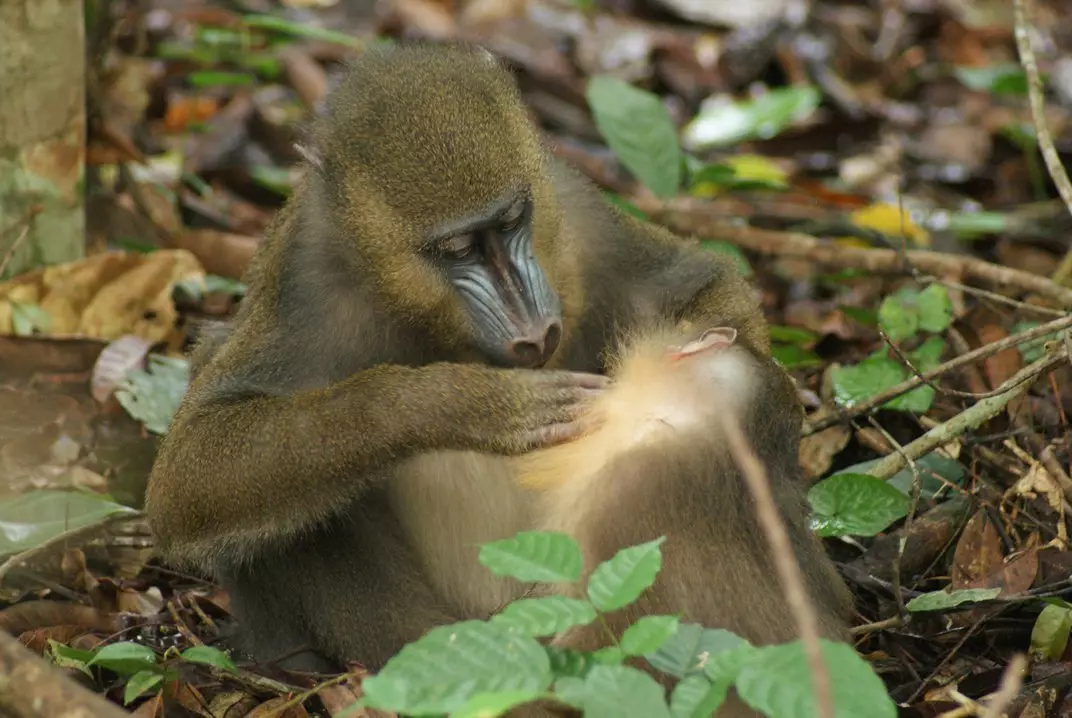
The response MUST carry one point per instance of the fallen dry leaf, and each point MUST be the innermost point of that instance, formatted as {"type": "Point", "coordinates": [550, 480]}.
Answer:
{"type": "Point", "coordinates": [105, 296]}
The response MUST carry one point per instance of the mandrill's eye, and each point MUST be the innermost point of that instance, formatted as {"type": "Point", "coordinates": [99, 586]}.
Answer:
{"type": "Point", "coordinates": [513, 217]}
{"type": "Point", "coordinates": [457, 247]}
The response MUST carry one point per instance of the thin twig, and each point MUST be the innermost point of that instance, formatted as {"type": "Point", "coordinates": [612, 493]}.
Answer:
{"type": "Point", "coordinates": [970, 418]}
{"type": "Point", "coordinates": [1038, 118]}
{"type": "Point", "coordinates": [956, 363]}
{"type": "Point", "coordinates": [913, 507]}
{"type": "Point", "coordinates": [691, 217]}
{"type": "Point", "coordinates": [13, 248]}
{"type": "Point", "coordinates": [785, 563]}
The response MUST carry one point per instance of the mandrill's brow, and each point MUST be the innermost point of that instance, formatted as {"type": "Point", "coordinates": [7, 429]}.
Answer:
{"type": "Point", "coordinates": [486, 218]}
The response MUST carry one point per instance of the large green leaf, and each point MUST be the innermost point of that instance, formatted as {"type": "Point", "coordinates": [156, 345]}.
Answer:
{"type": "Point", "coordinates": [855, 504]}
{"type": "Point", "coordinates": [620, 581]}
{"type": "Point", "coordinates": [1049, 635]}
{"type": "Point", "coordinates": [623, 692]}
{"type": "Point", "coordinates": [778, 681]}
{"type": "Point", "coordinates": [639, 129]}
{"type": "Point", "coordinates": [451, 665]}
{"type": "Point", "coordinates": [944, 600]}
{"type": "Point", "coordinates": [543, 556]}
{"type": "Point", "coordinates": [28, 520]}
{"type": "Point", "coordinates": [547, 615]}
{"type": "Point", "coordinates": [697, 697]}
{"type": "Point", "coordinates": [721, 123]}
{"type": "Point", "coordinates": [859, 382]}
{"type": "Point", "coordinates": [648, 634]}
{"type": "Point", "coordinates": [691, 647]}
{"type": "Point", "coordinates": [126, 658]}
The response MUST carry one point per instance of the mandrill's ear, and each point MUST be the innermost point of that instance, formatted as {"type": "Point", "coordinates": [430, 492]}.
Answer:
{"type": "Point", "coordinates": [311, 155]}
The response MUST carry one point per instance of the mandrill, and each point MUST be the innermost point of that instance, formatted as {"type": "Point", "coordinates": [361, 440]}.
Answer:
{"type": "Point", "coordinates": [440, 298]}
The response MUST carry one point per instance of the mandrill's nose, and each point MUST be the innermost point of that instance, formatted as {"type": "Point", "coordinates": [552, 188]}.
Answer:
{"type": "Point", "coordinates": [533, 350]}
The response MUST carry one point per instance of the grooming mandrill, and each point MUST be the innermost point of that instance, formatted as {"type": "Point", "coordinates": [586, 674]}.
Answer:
{"type": "Point", "coordinates": [438, 297]}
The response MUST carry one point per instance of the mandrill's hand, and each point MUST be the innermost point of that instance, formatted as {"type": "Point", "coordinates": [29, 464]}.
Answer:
{"type": "Point", "coordinates": [514, 411]}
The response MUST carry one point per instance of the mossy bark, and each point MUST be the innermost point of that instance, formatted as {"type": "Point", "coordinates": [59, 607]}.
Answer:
{"type": "Point", "coordinates": [42, 133]}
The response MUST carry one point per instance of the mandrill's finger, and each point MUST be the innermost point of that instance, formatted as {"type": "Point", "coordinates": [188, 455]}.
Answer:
{"type": "Point", "coordinates": [582, 380]}
{"type": "Point", "coordinates": [554, 434]}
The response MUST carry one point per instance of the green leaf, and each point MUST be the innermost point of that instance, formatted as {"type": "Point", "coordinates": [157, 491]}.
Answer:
{"type": "Point", "coordinates": [999, 79]}
{"type": "Point", "coordinates": [28, 520]}
{"type": "Point", "coordinates": [855, 504]}
{"type": "Point", "coordinates": [67, 657]}
{"type": "Point", "coordinates": [861, 315]}
{"type": "Point", "coordinates": [618, 582]}
{"type": "Point", "coordinates": [898, 315]}
{"type": "Point", "coordinates": [732, 251]}
{"type": "Point", "coordinates": [570, 690]}
{"type": "Point", "coordinates": [28, 319]}
{"type": "Point", "coordinates": [944, 600]}
{"type": "Point", "coordinates": [209, 656]}
{"type": "Point", "coordinates": [1049, 635]}
{"type": "Point", "coordinates": [566, 662]}
{"type": "Point", "coordinates": [924, 358]}
{"type": "Point", "coordinates": [1034, 350]}
{"type": "Point", "coordinates": [542, 556]}
{"type": "Point", "coordinates": [140, 684]}
{"type": "Point", "coordinates": [623, 692]}
{"type": "Point", "coordinates": [216, 78]}
{"type": "Point", "coordinates": [935, 309]}
{"type": "Point", "coordinates": [126, 658]}
{"type": "Point", "coordinates": [609, 656]}
{"type": "Point", "coordinates": [691, 648]}
{"type": "Point", "coordinates": [491, 705]}
{"type": "Point", "coordinates": [777, 681]}
{"type": "Point", "coordinates": [450, 665]}
{"type": "Point", "coordinates": [625, 205]}
{"type": "Point", "coordinates": [931, 467]}
{"type": "Point", "coordinates": [639, 129]}
{"type": "Point", "coordinates": [294, 29]}
{"type": "Point", "coordinates": [792, 335]}
{"type": "Point", "coordinates": [793, 357]}
{"type": "Point", "coordinates": [153, 397]}
{"type": "Point", "coordinates": [721, 123]}
{"type": "Point", "coordinates": [697, 697]}
{"type": "Point", "coordinates": [876, 373]}
{"type": "Point", "coordinates": [648, 634]}
{"type": "Point", "coordinates": [547, 615]}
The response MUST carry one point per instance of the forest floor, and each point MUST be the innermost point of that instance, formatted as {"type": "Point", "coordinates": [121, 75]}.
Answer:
{"type": "Point", "coordinates": [876, 169]}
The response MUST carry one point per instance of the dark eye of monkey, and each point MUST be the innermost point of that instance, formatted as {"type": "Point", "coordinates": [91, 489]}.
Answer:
{"type": "Point", "coordinates": [463, 246]}
{"type": "Point", "coordinates": [513, 217]}
{"type": "Point", "coordinates": [457, 247]}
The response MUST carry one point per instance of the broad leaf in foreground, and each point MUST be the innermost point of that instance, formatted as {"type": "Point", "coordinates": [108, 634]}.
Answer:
{"type": "Point", "coordinates": [451, 665]}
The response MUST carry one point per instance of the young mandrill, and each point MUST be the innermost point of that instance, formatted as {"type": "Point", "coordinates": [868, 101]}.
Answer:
{"type": "Point", "coordinates": [658, 463]}
{"type": "Point", "coordinates": [438, 297]}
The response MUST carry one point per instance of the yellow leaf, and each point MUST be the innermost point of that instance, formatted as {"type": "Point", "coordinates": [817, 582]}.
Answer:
{"type": "Point", "coordinates": [891, 221]}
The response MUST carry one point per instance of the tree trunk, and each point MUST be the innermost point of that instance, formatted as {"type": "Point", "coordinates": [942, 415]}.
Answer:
{"type": "Point", "coordinates": [42, 133]}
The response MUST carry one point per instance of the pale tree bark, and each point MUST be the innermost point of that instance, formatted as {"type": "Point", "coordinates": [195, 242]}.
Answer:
{"type": "Point", "coordinates": [42, 133]}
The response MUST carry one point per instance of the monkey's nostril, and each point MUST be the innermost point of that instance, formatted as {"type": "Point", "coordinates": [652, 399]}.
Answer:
{"type": "Point", "coordinates": [527, 353]}
{"type": "Point", "coordinates": [534, 351]}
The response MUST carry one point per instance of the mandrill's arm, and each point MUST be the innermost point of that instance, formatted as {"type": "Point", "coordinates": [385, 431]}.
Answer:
{"type": "Point", "coordinates": [243, 469]}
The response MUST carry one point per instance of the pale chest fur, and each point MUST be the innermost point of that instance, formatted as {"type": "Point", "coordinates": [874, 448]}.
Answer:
{"type": "Point", "coordinates": [449, 503]}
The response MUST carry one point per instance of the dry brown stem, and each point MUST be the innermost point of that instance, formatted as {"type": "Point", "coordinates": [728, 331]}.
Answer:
{"type": "Point", "coordinates": [785, 564]}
